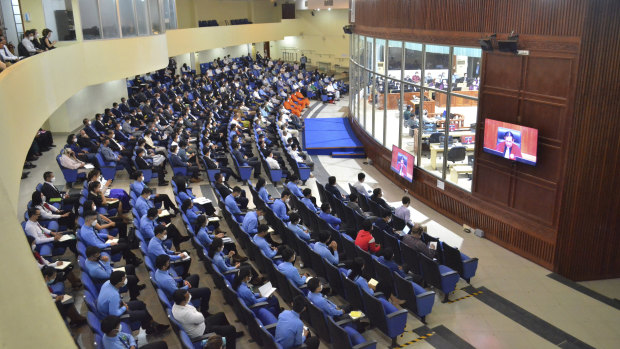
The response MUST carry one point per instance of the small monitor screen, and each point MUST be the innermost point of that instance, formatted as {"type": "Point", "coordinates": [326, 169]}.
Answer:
{"type": "Point", "coordinates": [510, 141]}
{"type": "Point", "coordinates": [402, 163]}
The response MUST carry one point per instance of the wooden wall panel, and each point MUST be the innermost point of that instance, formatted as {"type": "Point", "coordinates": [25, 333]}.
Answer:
{"type": "Point", "coordinates": [545, 116]}
{"type": "Point", "coordinates": [549, 76]}
{"type": "Point", "coordinates": [503, 71]}
{"type": "Point", "coordinates": [540, 206]}
{"type": "Point", "coordinates": [589, 230]}
{"type": "Point", "coordinates": [496, 187]}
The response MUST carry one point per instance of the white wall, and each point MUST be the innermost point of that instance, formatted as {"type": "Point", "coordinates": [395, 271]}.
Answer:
{"type": "Point", "coordinates": [49, 6]}
{"type": "Point", "coordinates": [233, 51]}
{"type": "Point", "coordinates": [184, 58]}
{"type": "Point", "coordinates": [85, 104]}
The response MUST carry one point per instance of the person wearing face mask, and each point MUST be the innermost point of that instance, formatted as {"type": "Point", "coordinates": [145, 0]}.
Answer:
{"type": "Point", "coordinates": [46, 240]}
{"type": "Point", "coordinates": [50, 192]}
{"type": "Point", "coordinates": [224, 190]}
{"type": "Point", "coordinates": [96, 195]}
{"type": "Point", "coordinates": [138, 186]}
{"type": "Point", "coordinates": [109, 302]}
{"type": "Point", "coordinates": [66, 273]}
{"type": "Point", "coordinates": [233, 206]}
{"type": "Point", "coordinates": [326, 215]}
{"type": "Point", "coordinates": [291, 184]}
{"type": "Point", "coordinates": [269, 249]}
{"type": "Point", "coordinates": [290, 330]}
{"type": "Point", "coordinates": [143, 164]}
{"type": "Point", "coordinates": [196, 324]}
{"type": "Point", "coordinates": [156, 247]}
{"type": "Point", "coordinates": [287, 267]}
{"type": "Point", "coordinates": [222, 262]}
{"type": "Point", "coordinates": [115, 338]}
{"type": "Point", "coordinates": [377, 196]}
{"type": "Point", "coordinates": [46, 41]}
{"type": "Point", "coordinates": [91, 237]}
{"type": "Point", "coordinates": [168, 281]}
{"type": "Point", "coordinates": [185, 193]}
{"type": "Point", "coordinates": [99, 269]}
{"type": "Point", "coordinates": [90, 130]}
{"type": "Point", "coordinates": [280, 208]}
{"type": "Point", "coordinates": [309, 200]}
{"type": "Point", "coordinates": [51, 214]}
{"type": "Point", "coordinates": [176, 161]}
{"type": "Point", "coordinates": [67, 309]}
{"type": "Point", "coordinates": [28, 44]}
{"type": "Point", "coordinates": [301, 231]}
{"type": "Point", "coordinates": [365, 240]}
{"type": "Point", "coordinates": [241, 284]}
{"type": "Point", "coordinates": [384, 222]}
{"type": "Point", "coordinates": [326, 249]}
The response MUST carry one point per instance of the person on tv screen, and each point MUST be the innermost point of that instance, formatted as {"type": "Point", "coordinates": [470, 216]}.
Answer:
{"type": "Point", "coordinates": [508, 147]}
{"type": "Point", "coordinates": [401, 166]}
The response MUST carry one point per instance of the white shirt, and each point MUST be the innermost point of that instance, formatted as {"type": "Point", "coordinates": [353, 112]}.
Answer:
{"type": "Point", "coordinates": [296, 156]}
{"type": "Point", "coordinates": [29, 45]}
{"type": "Point", "coordinates": [38, 232]}
{"type": "Point", "coordinates": [273, 164]}
{"type": "Point", "coordinates": [47, 211]}
{"type": "Point", "coordinates": [360, 188]}
{"type": "Point", "coordinates": [7, 55]}
{"type": "Point", "coordinates": [192, 321]}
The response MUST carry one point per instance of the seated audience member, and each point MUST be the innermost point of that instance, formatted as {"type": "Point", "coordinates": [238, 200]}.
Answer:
{"type": "Point", "coordinates": [249, 298]}
{"type": "Point", "coordinates": [326, 215]}
{"type": "Point", "coordinates": [143, 164]}
{"type": "Point", "coordinates": [260, 239]}
{"type": "Point", "coordinates": [114, 338]}
{"type": "Point", "coordinates": [212, 164]}
{"type": "Point", "coordinates": [222, 261]}
{"type": "Point", "coordinates": [297, 228]}
{"type": "Point", "coordinates": [114, 193]}
{"type": "Point", "coordinates": [326, 249]}
{"type": "Point", "coordinates": [384, 222]}
{"type": "Point", "coordinates": [52, 193]}
{"type": "Point", "coordinates": [50, 212]}
{"type": "Point", "coordinates": [377, 197]}
{"type": "Point", "coordinates": [157, 247]}
{"type": "Point", "coordinates": [385, 257]}
{"type": "Point", "coordinates": [65, 274]}
{"type": "Point", "coordinates": [67, 309]}
{"type": "Point", "coordinates": [7, 56]}
{"type": "Point", "coordinates": [109, 225]}
{"type": "Point", "coordinates": [197, 324]}
{"type": "Point", "coordinates": [309, 200]}
{"type": "Point", "coordinates": [365, 240]}
{"type": "Point", "coordinates": [292, 185]}
{"type": "Point", "coordinates": [403, 211]}
{"type": "Point", "coordinates": [290, 331]}
{"type": "Point", "coordinates": [138, 186]}
{"type": "Point", "coordinates": [46, 40]}
{"type": "Point", "coordinates": [177, 161]}
{"type": "Point", "coordinates": [414, 241]}
{"type": "Point", "coordinates": [243, 159]}
{"type": "Point", "coordinates": [97, 196]}
{"type": "Point", "coordinates": [353, 204]}
{"type": "Point", "coordinates": [359, 185]}
{"type": "Point", "coordinates": [45, 239]}
{"type": "Point", "coordinates": [275, 165]}
{"type": "Point", "coordinates": [28, 44]}
{"type": "Point", "coordinates": [226, 190]}
{"type": "Point", "coordinates": [99, 269]}
{"type": "Point", "coordinates": [288, 268]}
{"type": "Point", "coordinates": [357, 269]}
{"type": "Point", "coordinates": [215, 342]}
{"type": "Point", "coordinates": [109, 302]}
{"type": "Point", "coordinates": [280, 208]}
{"type": "Point", "coordinates": [185, 193]}
{"type": "Point", "coordinates": [91, 237]}
{"type": "Point", "coordinates": [168, 281]}
{"type": "Point", "coordinates": [262, 191]}
{"type": "Point", "coordinates": [330, 187]}
{"type": "Point", "coordinates": [233, 206]}
{"type": "Point", "coordinates": [251, 220]}
{"type": "Point", "coordinates": [68, 160]}
{"type": "Point", "coordinates": [301, 157]}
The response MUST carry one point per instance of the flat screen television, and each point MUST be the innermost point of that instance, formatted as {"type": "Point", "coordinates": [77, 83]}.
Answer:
{"type": "Point", "coordinates": [402, 163]}
{"type": "Point", "coordinates": [510, 141]}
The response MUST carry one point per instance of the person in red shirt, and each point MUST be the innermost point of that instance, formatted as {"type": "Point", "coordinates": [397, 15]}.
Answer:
{"type": "Point", "coordinates": [365, 240]}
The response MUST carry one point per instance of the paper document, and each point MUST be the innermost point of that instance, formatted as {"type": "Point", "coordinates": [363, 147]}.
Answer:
{"type": "Point", "coordinates": [107, 193]}
{"type": "Point", "coordinates": [201, 201]}
{"type": "Point", "coordinates": [309, 278]}
{"type": "Point", "coordinates": [356, 315]}
{"type": "Point", "coordinates": [164, 213]}
{"type": "Point", "coordinates": [110, 241]}
{"type": "Point", "coordinates": [89, 166]}
{"type": "Point", "coordinates": [373, 283]}
{"type": "Point", "coordinates": [432, 245]}
{"type": "Point", "coordinates": [227, 240]}
{"type": "Point", "coordinates": [185, 256]}
{"type": "Point", "coordinates": [119, 269]}
{"type": "Point", "coordinates": [213, 219]}
{"type": "Point", "coordinates": [266, 290]}
{"type": "Point", "coordinates": [270, 230]}
{"type": "Point", "coordinates": [63, 266]}
{"type": "Point", "coordinates": [66, 299]}
{"type": "Point", "coordinates": [66, 237]}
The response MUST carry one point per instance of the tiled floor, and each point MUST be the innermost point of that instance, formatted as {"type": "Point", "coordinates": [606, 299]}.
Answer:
{"type": "Point", "coordinates": [482, 324]}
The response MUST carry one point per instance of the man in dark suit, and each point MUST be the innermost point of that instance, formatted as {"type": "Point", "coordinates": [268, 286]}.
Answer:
{"type": "Point", "coordinates": [144, 164]}
{"type": "Point", "coordinates": [118, 147]}
{"type": "Point", "coordinates": [226, 190]}
{"type": "Point", "coordinates": [176, 161]}
{"type": "Point", "coordinates": [90, 130]}
{"type": "Point", "coordinates": [98, 124]}
{"type": "Point", "coordinates": [124, 107]}
{"type": "Point", "coordinates": [377, 197]}
{"type": "Point", "coordinates": [243, 160]}
{"type": "Point", "coordinates": [212, 165]}
{"type": "Point", "coordinates": [50, 192]}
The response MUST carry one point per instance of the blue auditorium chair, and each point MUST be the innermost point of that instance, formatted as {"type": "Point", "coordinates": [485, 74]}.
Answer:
{"type": "Point", "coordinates": [438, 275]}
{"type": "Point", "coordinates": [457, 260]}
{"type": "Point", "coordinates": [418, 300]}
{"type": "Point", "coordinates": [340, 337]}
{"type": "Point", "coordinates": [390, 320]}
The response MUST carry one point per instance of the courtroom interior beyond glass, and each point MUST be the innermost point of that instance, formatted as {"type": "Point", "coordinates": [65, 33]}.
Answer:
{"type": "Point", "coordinates": [389, 77]}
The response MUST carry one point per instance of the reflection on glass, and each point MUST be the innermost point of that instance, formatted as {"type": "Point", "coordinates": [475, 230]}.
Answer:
{"type": "Point", "coordinates": [379, 67]}
{"type": "Point", "coordinates": [393, 114]}
{"type": "Point", "coordinates": [379, 107]}
{"type": "Point", "coordinates": [128, 19]}
{"type": "Point", "coordinates": [109, 19]}
{"type": "Point", "coordinates": [155, 17]}
{"type": "Point", "coordinates": [89, 15]}
{"type": "Point", "coordinates": [369, 53]}
{"type": "Point", "coordinates": [437, 66]}
{"type": "Point", "coordinates": [413, 63]}
{"type": "Point", "coordinates": [394, 55]}
{"type": "Point", "coordinates": [143, 17]}
{"type": "Point", "coordinates": [466, 73]}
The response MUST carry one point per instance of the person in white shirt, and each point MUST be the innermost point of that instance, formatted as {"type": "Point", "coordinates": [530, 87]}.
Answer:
{"type": "Point", "coordinates": [6, 54]}
{"type": "Point", "coordinates": [196, 324]}
{"type": "Point", "coordinates": [27, 42]}
{"type": "Point", "coordinates": [359, 185]}
{"type": "Point", "coordinates": [403, 211]}
{"type": "Point", "coordinates": [43, 235]}
{"type": "Point", "coordinates": [68, 160]}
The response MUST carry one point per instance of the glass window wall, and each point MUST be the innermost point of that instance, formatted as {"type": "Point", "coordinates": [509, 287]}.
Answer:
{"type": "Point", "coordinates": [109, 19]}
{"type": "Point", "coordinates": [128, 18]}
{"type": "Point", "coordinates": [89, 14]}
{"type": "Point", "coordinates": [155, 16]}
{"type": "Point", "coordinates": [430, 95]}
